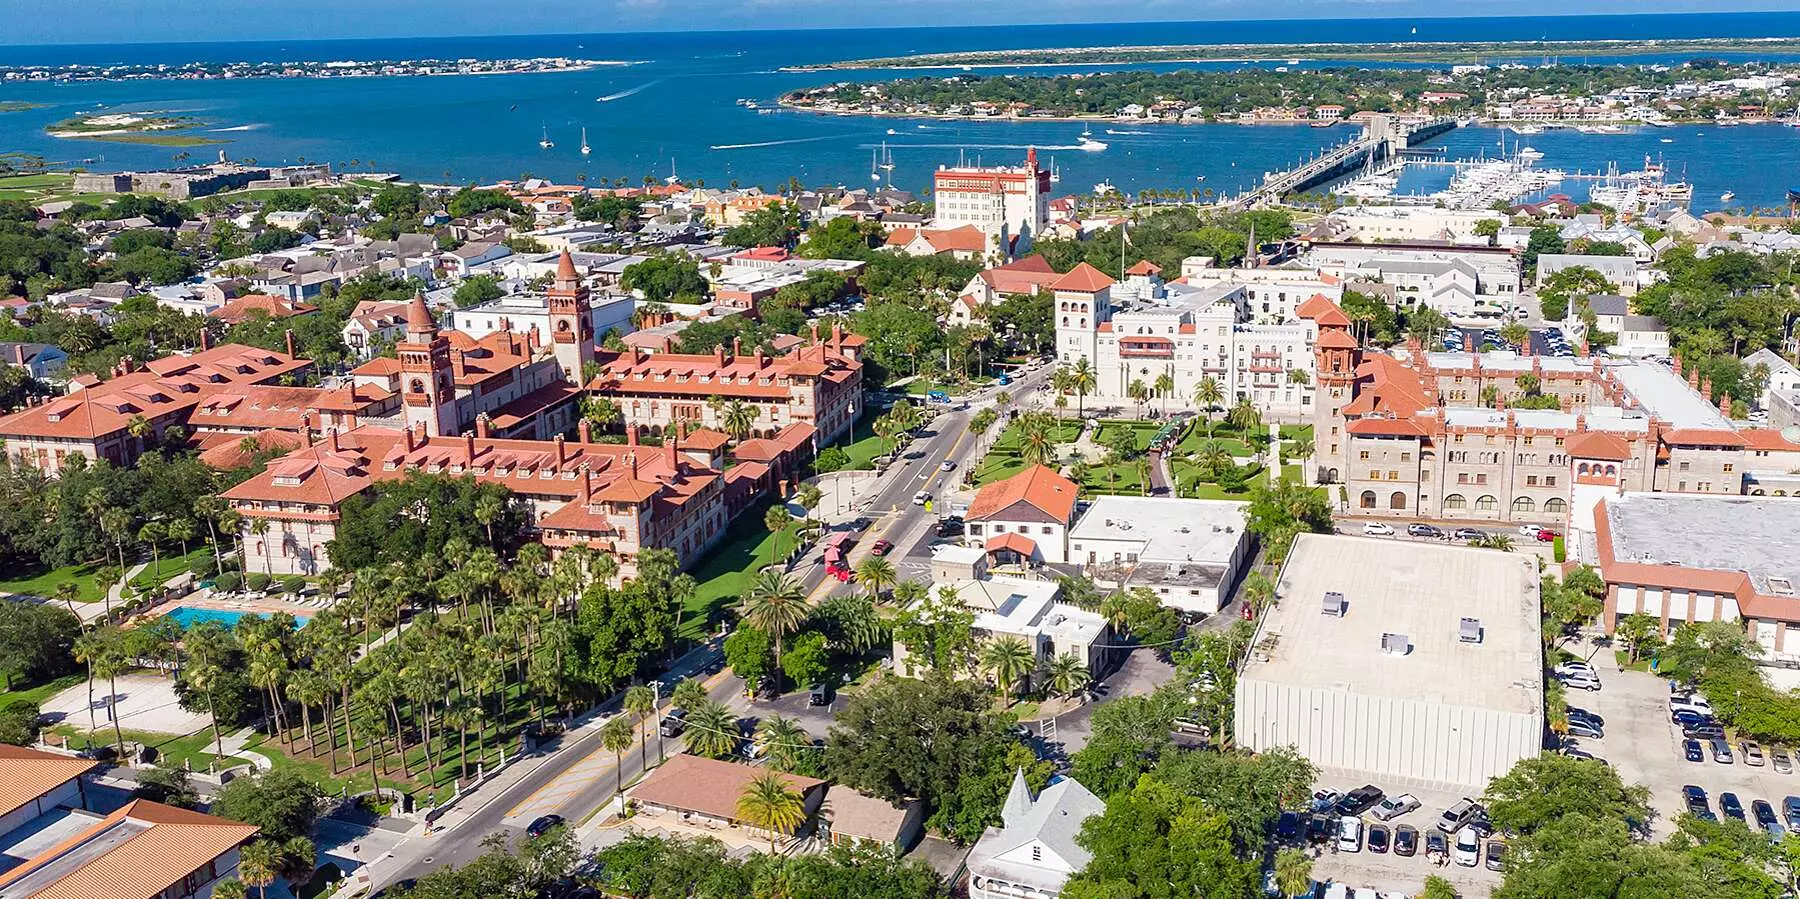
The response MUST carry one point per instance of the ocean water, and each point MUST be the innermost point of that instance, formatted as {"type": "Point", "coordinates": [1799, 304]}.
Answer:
{"type": "Point", "coordinates": [674, 109]}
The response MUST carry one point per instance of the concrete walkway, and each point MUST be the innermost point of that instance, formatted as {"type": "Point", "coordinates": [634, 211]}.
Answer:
{"type": "Point", "coordinates": [234, 744]}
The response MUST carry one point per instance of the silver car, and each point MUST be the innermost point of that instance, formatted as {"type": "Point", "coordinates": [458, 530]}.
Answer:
{"type": "Point", "coordinates": [1395, 806]}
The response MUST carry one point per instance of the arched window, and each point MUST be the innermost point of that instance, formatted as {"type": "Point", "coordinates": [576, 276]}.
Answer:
{"type": "Point", "coordinates": [1455, 501]}
{"type": "Point", "coordinates": [1368, 499]}
{"type": "Point", "coordinates": [1582, 468]}
{"type": "Point", "coordinates": [1612, 469]}
{"type": "Point", "coordinates": [1397, 500]}
{"type": "Point", "coordinates": [417, 386]}
{"type": "Point", "coordinates": [1555, 505]}
{"type": "Point", "coordinates": [1486, 504]}
{"type": "Point", "coordinates": [1524, 504]}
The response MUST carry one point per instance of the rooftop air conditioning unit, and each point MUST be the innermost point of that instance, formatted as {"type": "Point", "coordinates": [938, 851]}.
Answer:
{"type": "Point", "coordinates": [1469, 630]}
{"type": "Point", "coordinates": [1335, 606]}
{"type": "Point", "coordinates": [1395, 644]}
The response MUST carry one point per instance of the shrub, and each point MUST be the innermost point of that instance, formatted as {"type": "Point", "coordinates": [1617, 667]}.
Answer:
{"type": "Point", "coordinates": [1558, 550]}
{"type": "Point", "coordinates": [259, 581]}
{"type": "Point", "coordinates": [228, 582]}
{"type": "Point", "coordinates": [204, 567]}
{"type": "Point", "coordinates": [19, 724]}
{"type": "Point", "coordinates": [293, 583]}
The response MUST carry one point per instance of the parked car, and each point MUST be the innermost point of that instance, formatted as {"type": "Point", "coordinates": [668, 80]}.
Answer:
{"type": "Point", "coordinates": [1454, 817]}
{"type": "Point", "coordinates": [1790, 810]}
{"type": "Point", "coordinates": [1710, 730]}
{"type": "Point", "coordinates": [1323, 800]}
{"type": "Point", "coordinates": [1764, 814]}
{"type": "Point", "coordinates": [1529, 530]}
{"type": "Point", "coordinates": [1690, 750]}
{"type": "Point", "coordinates": [673, 724]}
{"type": "Point", "coordinates": [1694, 799]}
{"type": "Point", "coordinates": [1395, 806]}
{"type": "Point", "coordinates": [1721, 751]}
{"type": "Point", "coordinates": [1579, 681]}
{"type": "Point", "coordinates": [1547, 536]}
{"type": "Point", "coordinates": [1580, 727]}
{"type": "Point", "coordinates": [1349, 837]}
{"type": "Point", "coordinates": [1377, 529]}
{"type": "Point", "coordinates": [1496, 853]}
{"type": "Point", "coordinates": [818, 695]}
{"type": "Point", "coordinates": [950, 527]}
{"type": "Point", "coordinates": [1289, 827]}
{"type": "Point", "coordinates": [1468, 534]}
{"type": "Point", "coordinates": [881, 547]}
{"type": "Point", "coordinates": [1379, 836]}
{"type": "Point", "coordinates": [1421, 529]}
{"type": "Point", "coordinates": [1359, 800]}
{"type": "Point", "coordinates": [1753, 754]}
{"type": "Point", "coordinates": [1467, 849]}
{"type": "Point", "coordinates": [1587, 716]}
{"type": "Point", "coordinates": [1688, 717]}
{"type": "Point", "coordinates": [1778, 757]}
{"type": "Point", "coordinates": [1406, 840]}
{"type": "Point", "coordinates": [543, 825]}
{"type": "Point", "coordinates": [1731, 806]}
{"type": "Point", "coordinates": [1321, 828]}
{"type": "Point", "coordinates": [1576, 752]}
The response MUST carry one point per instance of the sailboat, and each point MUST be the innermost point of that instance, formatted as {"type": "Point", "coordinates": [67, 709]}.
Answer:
{"type": "Point", "coordinates": [545, 141]}
{"type": "Point", "coordinates": [585, 149]}
{"type": "Point", "coordinates": [1055, 175]}
{"type": "Point", "coordinates": [874, 163]}
{"type": "Point", "coordinates": [887, 161]}
{"type": "Point", "coordinates": [673, 178]}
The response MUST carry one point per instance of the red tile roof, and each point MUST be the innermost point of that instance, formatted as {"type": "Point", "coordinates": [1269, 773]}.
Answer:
{"type": "Point", "coordinates": [1322, 310]}
{"type": "Point", "coordinates": [26, 774]}
{"type": "Point", "coordinates": [1042, 488]}
{"type": "Point", "coordinates": [137, 852]}
{"type": "Point", "coordinates": [1083, 278]}
{"type": "Point", "coordinates": [1599, 445]}
{"type": "Point", "coordinates": [1144, 267]}
{"type": "Point", "coordinates": [691, 783]}
{"type": "Point", "coordinates": [239, 309]}
{"type": "Point", "coordinates": [1019, 543]}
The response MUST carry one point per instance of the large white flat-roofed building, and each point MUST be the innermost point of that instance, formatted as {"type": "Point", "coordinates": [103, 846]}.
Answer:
{"type": "Point", "coordinates": [1186, 551]}
{"type": "Point", "coordinates": [1402, 664]}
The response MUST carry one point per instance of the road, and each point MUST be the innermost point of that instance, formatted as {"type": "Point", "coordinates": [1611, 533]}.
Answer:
{"type": "Point", "coordinates": [580, 776]}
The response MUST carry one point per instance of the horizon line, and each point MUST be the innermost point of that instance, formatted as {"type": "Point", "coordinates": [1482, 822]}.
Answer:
{"type": "Point", "coordinates": [1017, 25]}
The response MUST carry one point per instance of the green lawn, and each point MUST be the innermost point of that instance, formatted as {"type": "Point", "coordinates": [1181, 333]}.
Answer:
{"type": "Point", "coordinates": [1124, 479]}
{"type": "Point", "coordinates": [36, 694]}
{"type": "Point", "coordinates": [998, 466]}
{"type": "Point", "coordinates": [44, 583]}
{"type": "Point", "coordinates": [171, 564]}
{"type": "Point", "coordinates": [864, 446]}
{"type": "Point", "coordinates": [1141, 432]}
{"type": "Point", "coordinates": [1188, 475]}
{"type": "Point", "coordinates": [195, 748]}
{"type": "Point", "coordinates": [729, 568]}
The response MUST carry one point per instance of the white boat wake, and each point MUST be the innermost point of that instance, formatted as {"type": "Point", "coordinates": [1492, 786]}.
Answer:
{"type": "Point", "coordinates": [251, 127]}
{"type": "Point", "coordinates": [768, 143]}
{"type": "Point", "coordinates": [983, 146]}
{"type": "Point", "coordinates": [1111, 131]}
{"type": "Point", "coordinates": [627, 92]}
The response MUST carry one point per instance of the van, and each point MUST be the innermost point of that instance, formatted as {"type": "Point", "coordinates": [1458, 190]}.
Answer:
{"type": "Point", "coordinates": [819, 695]}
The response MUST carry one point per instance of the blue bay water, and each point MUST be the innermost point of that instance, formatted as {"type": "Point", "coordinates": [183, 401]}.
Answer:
{"type": "Point", "coordinates": [675, 107]}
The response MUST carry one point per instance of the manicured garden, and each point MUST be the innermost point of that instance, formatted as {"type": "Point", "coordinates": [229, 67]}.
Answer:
{"type": "Point", "coordinates": [747, 547]}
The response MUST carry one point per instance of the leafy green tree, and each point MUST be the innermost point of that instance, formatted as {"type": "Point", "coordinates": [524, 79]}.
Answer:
{"type": "Point", "coordinates": [666, 278]}
{"type": "Point", "coordinates": [774, 225]}
{"type": "Point", "coordinates": [1155, 842]}
{"type": "Point", "coordinates": [281, 803]}
{"type": "Point", "coordinates": [1545, 789]}
{"type": "Point", "coordinates": [807, 661]}
{"type": "Point", "coordinates": [750, 654]}
{"type": "Point", "coordinates": [477, 289]}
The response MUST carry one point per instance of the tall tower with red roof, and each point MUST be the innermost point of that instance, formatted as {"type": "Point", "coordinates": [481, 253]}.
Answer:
{"type": "Point", "coordinates": [571, 327]}
{"type": "Point", "coordinates": [1336, 358]}
{"type": "Point", "coordinates": [426, 385]}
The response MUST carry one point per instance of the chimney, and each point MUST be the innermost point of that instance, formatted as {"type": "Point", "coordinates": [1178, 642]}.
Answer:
{"type": "Point", "coordinates": [736, 348]}
{"type": "Point", "coordinates": [469, 445]}
{"type": "Point", "coordinates": [631, 465]}
{"type": "Point", "coordinates": [762, 358]}
{"type": "Point", "coordinates": [837, 337]}
{"type": "Point", "coordinates": [483, 429]}
{"type": "Point", "coordinates": [331, 437]}
{"type": "Point", "coordinates": [289, 335]}
{"type": "Point", "coordinates": [815, 333]}
{"type": "Point", "coordinates": [631, 434]}
{"type": "Point", "coordinates": [205, 339]}
{"type": "Point", "coordinates": [456, 362]}
{"type": "Point", "coordinates": [719, 355]}
{"type": "Point", "coordinates": [408, 435]}
{"type": "Point", "coordinates": [669, 453]}
{"type": "Point", "coordinates": [586, 430]}
{"type": "Point", "coordinates": [559, 454]}
{"type": "Point", "coordinates": [587, 483]}
{"type": "Point", "coordinates": [505, 323]}
{"type": "Point", "coordinates": [19, 352]}
{"type": "Point", "coordinates": [306, 427]}
{"type": "Point", "coordinates": [1725, 404]}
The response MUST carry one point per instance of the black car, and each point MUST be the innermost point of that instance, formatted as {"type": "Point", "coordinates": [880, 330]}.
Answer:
{"type": "Point", "coordinates": [860, 524]}
{"type": "Point", "coordinates": [950, 527]}
{"type": "Point", "coordinates": [1586, 715]}
{"type": "Point", "coordinates": [819, 695]}
{"type": "Point", "coordinates": [1288, 827]}
{"type": "Point", "coordinates": [1729, 804]}
{"type": "Point", "coordinates": [1420, 529]}
{"type": "Point", "coordinates": [1436, 843]}
{"type": "Point", "coordinates": [1406, 840]}
{"type": "Point", "coordinates": [1378, 838]}
{"type": "Point", "coordinates": [543, 825]}
{"type": "Point", "coordinates": [1468, 534]}
{"type": "Point", "coordinates": [673, 724]}
{"type": "Point", "coordinates": [1690, 750]}
{"type": "Point", "coordinates": [1695, 799]}
{"type": "Point", "coordinates": [1704, 732]}
{"type": "Point", "coordinates": [1689, 718]}
{"type": "Point", "coordinates": [1764, 813]}
{"type": "Point", "coordinates": [1359, 800]}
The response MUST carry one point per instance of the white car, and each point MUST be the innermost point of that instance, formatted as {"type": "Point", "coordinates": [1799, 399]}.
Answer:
{"type": "Point", "coordinates": [921, 498]}
{"type": "Point", "coordinates": [1377, 529]}
{"type": "Point", "coordinates": [1692, 702]}
{"type": "Point", "coordinates": [1349, 834]}
{"type": "Point", "coordinates": [1530, 530]}
{"type": "Point", "coordinates": [1579, 680]}
{"type": "Point", "coordinates": [1467, 848]}
{"type": "Point", "coordinates": [1579, 668]}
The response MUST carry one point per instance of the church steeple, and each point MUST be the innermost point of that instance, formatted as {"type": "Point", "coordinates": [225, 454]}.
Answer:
{"type": "Point", "coordinates": [426, 382]}
{"type": "Point", "coordinates": [571, 325]}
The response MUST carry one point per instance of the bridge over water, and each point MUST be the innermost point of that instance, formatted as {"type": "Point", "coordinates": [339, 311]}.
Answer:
{"type": "Point", "coordinates": [1382, 139]}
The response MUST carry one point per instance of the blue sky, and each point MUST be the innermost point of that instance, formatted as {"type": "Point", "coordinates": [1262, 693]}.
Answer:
{"type": "Point", "coordinates": [120, 21]}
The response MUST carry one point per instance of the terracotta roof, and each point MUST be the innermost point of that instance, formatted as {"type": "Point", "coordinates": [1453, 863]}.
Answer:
{"type": "Point", "coordinates": [1024, 275]}
{"type": "Point", "coordinates": [1385, 427]}
{"type": "Point", "coordinates": [1144, 267]}
{"type": "Point", "coordinates": [1767, 439]}
{"type": "Point", "coordinates": [136, 852]}
{"type": "Point", "coordinates": [26, 774]}
{"type": "Point", "coordinates": [226, 451]}
{"type": "Point", "coordinates": [1019, 543]}
{"type": "Point", "coordinates": [1323, 311]}
{"type": "Point", "coordinates": [1083, 278]}
{"type": "Point", "coordinates": [854, 814]}
{"type": "Point", "coordinates": [239, 309]}
{"type": "Point", "coordinates": [900, 237]}
{"type": "Point", "coordinates": [1044, 489]}
{"type": "Point", "coordinates": [966, 239]}
{"type": "Point", "coordinates": [1335, 339]}
{"type": "Point", "coordinates": [565, 267]}
{"type": "Point", "coordinates": [1703, 437]}
{"type": "Point", "coordinates": [710, 787]}
{"type": "Point", "coordinates": [418, 315]}
{"type": "Point", "coordinates": [1599, 445]}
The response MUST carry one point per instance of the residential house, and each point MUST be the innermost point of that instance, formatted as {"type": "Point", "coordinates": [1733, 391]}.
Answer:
{"type": "Point", "coordinates": [1024, 519]}
{"type": "Point", "coordinates": [39, 360]}
{"type": "Point", "coordinates": [1034, 851]}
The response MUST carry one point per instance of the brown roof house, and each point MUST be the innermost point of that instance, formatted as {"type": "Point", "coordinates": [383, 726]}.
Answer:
{"type": "Point", "coordinates": [852, 818]}
{"type": "Point", "coordinates": [1026, 516]}
{"type": "Point", "coordinates": [691, 793]}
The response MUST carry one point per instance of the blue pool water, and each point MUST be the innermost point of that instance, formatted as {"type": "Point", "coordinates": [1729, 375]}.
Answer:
{"type": "Point", "coordinates": [188, 617]}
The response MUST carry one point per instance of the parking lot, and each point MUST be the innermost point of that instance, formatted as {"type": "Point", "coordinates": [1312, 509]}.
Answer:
{"type": "Point", "coordinates": [1645, 747]}
{"type": "Point", "coordinates": [1387, 871]}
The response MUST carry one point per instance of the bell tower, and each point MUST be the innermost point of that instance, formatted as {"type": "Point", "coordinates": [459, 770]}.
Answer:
{"type": "Point", "coordinates": [571, 327]}
{"type": "Point", "coordinates": [428, 390]}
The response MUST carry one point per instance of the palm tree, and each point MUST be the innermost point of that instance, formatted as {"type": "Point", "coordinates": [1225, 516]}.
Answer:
{"type": "Point", "coordinates": [1009, 659]}
{"type": "Point", "coordinates": [1208, 396]}
{"type": "Point", "coordinates": [299, 860]}
{"type": "Point", "coordinates": [640, 703]}
{"type": "Point", "coordinates": [775, 520]}
{"type": "Point", "coordinates": [688, 693]}
{"type": "Point", "coordinates": [775, 605]}
{"type": "Point", "coordinates": [616, 736]}
{"type": "Point", "coordinates": [1293, 871]}
{"type": "Point", "coordinates": [738, 418]}
{"type": "Point", "coordinates": [1501, 542]}
{"type": "Point", "coordinates": [1082, 380]}
{"type": "Point", "coordinates": [781, 740]}
{"type": "Point", "coordinates": [1065, 675]}
{"type": "Point", "coordinates": [1165, 385]}
{"type": "Point", "coordinates": [1037, 442]}
{"type": "Point", "coordinates": [67, 591]}
{"type": "Point", "coordinates": [1245, 417]}
{"type": "Point", "coordinates": [1258, 592]}
{"type": "Point", "coordinates": [260, 527]}
{"type": "Point", "coordinates": [258, 864]}
{"type": "Point", "coordinates": [808, 496]}
{"type": "Point", "coordinates": [89, 649]}
{"type": "Point", "coordinates": [148, 533]}
{"type": "Point", "coordinates": [712, 730]}
{"type": "Point", "coordinates": [876, 574]}
{"type": "Point", "coordinates": [1139, 394]}
{"type": "Point", "coordinates": [181, 530]}
{"type": "Point", "coordinates": [769, 803]}
{"type": "Point", "coordinates": [1213, 455]}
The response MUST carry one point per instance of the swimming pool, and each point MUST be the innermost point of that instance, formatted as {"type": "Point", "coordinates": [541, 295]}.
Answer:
{"type": "Point", "coordinates": [188, 616]}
